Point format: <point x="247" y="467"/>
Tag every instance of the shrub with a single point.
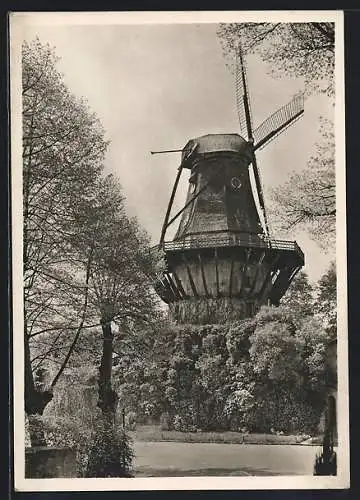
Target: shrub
<point x="165" y="422"/>
<point x="178" y="423"/>
<point x="238" y="409"/>
<point x="69" y="433"/>
<point x="184" y="423"/>
<point x="101" y="451"/>
<point x="111" y="453"/>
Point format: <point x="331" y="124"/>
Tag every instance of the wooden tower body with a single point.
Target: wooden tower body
<point x="220" y="264"/>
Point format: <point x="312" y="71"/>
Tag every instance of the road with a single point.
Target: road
<point x="209" y="459"/>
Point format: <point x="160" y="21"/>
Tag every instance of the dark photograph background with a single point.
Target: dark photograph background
<point x="352" y="109"/>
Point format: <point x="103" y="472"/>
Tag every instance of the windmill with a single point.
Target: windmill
<point x="222" y="263"/>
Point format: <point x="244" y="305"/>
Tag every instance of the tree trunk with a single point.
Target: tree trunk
<point x="108" y="398"/>
<point x="36" y="399"/>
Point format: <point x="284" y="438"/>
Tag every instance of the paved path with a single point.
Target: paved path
<point x="188" y="459"/>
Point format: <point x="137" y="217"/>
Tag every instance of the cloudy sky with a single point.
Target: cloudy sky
<point x="154" y="87"/>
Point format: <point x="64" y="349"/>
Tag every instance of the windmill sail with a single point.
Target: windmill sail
<point x="242" y="102"/>
<point x="278" y="121"/>
<point x="260" y="192"/>
<point x="245" y="121"/>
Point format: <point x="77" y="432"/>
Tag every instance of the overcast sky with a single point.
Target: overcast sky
<point x="157" y="86"/>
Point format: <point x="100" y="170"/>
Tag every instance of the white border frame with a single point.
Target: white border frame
<point x="17" y="21"/>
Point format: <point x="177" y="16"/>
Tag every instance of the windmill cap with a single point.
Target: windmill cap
<point x="212" y="143"/>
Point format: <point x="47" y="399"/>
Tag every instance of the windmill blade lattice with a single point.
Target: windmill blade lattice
<point x="241" y="95"/>
<point x="245" y="120"/>
<point x="279" y="121"/>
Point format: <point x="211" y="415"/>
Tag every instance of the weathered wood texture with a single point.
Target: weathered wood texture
<point x="221" y="264"/>
<point x="227" y="204"/>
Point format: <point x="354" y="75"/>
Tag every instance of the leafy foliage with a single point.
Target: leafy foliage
<point x="315" y="210"/>
<point x="63" y="151"/>
<point x="274" y="352"/>
<point x="111" y="454"/>
<point x="87" y="265"/>
<point x="299" y="298"/>
<point x="305" y="50"/>
<point x="69" y="433"/>
<point x="100" y="451"/>
<point x="325" y="303"/>
<point x="264" y="373"/>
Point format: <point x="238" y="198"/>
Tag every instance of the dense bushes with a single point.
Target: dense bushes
<point x="264" y="374"/>
<point x="73" y="420"/>
<point x="111" y="453"/>
<point x="258" y="375"/>
<point x="100" y="450"/>
<point x="69" y="433"/>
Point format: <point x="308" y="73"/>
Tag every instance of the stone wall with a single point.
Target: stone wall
<point x="212" y="311"/>
<point x="43" y="462"/>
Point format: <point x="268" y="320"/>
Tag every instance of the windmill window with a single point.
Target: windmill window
<point x="235" y="183"/>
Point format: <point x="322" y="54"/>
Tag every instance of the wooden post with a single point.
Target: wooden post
<point x="173" y="287"/>
<point x="179" y="285"/>
<point x="192" y="284"/>
<point x="258" y="267"/>
<point x="217" y="273"/>
<point x="168" y="288"/>
<point x="244" y="269"/>
<point x="203" y="275"/>
<point x="165" y="224"/>
<point x="268" y="277"/>
<point x="231" y="275"/>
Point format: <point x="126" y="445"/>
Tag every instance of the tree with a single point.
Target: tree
<point x="326" y="300"/>
<point x="213" y="380"/>
<point x="274" y="347"/>
<point x="305" y="50"/>
<point x="63" y="151"/>
<point x="299" y="299"/>
<point x="141" y="368"/>
<point x="313" y="342"/>
<point x="119" y="282"/>
<point x="288" y="363"/>
<point x="307" y="199"/>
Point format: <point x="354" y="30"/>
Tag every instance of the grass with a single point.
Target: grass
<point x="154" y="433"/>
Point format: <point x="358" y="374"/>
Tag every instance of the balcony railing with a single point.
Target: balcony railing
<point x="231" y="240"/>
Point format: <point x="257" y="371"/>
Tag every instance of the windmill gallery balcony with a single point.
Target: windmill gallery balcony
<point x="232" y="240"/>
<point x="227" y="275"/>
